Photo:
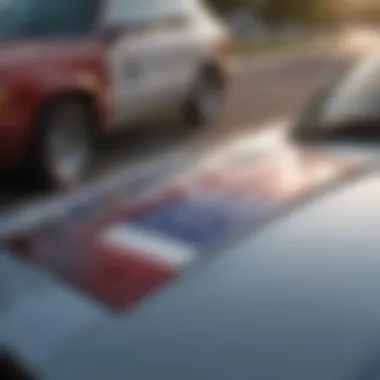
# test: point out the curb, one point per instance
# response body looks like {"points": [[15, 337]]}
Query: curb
{"points": [[269, 59]]}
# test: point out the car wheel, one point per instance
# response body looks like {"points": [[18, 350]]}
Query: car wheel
{"points": [[63, 147], [206, 99]]}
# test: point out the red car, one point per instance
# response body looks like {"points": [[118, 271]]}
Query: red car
{"points": [[74, 70]]}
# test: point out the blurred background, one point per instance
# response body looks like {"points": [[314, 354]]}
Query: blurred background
{"points": [[283, 52], [268, 23]]}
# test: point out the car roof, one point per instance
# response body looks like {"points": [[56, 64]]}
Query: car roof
{"points": [[300, 300]]}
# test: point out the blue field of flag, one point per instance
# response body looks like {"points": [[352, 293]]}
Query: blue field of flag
{"points": [[202, 217]]}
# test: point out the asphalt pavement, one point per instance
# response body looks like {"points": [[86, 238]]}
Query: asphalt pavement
{"points": [[262, 90]]}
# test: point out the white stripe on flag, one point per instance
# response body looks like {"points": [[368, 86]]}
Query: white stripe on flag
{"points": [[149, 244]]}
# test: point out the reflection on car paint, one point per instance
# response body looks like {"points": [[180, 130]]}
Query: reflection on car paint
{"points": [[131, 245], [199, 217]]}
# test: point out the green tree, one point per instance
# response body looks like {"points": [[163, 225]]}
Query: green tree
{"points": [[277, 11], [291, 10], [222, 6]]}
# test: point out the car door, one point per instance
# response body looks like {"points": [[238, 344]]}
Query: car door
{"points": [[175, 53], [126, 57]]}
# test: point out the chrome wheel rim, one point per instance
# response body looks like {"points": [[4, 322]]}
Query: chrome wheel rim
{"points": [[68, 148]]}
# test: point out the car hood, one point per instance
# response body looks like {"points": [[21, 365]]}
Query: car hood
{"points": [[299, 300], [122, 246]]}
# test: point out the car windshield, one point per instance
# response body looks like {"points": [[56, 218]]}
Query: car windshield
{"points": [[37, 18], [348, 108]]}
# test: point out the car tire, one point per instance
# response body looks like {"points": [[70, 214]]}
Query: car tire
{"points": [[62, 149], [205, 101]]}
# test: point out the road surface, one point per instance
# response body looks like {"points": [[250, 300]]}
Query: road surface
{"points": [[262, 90]]}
